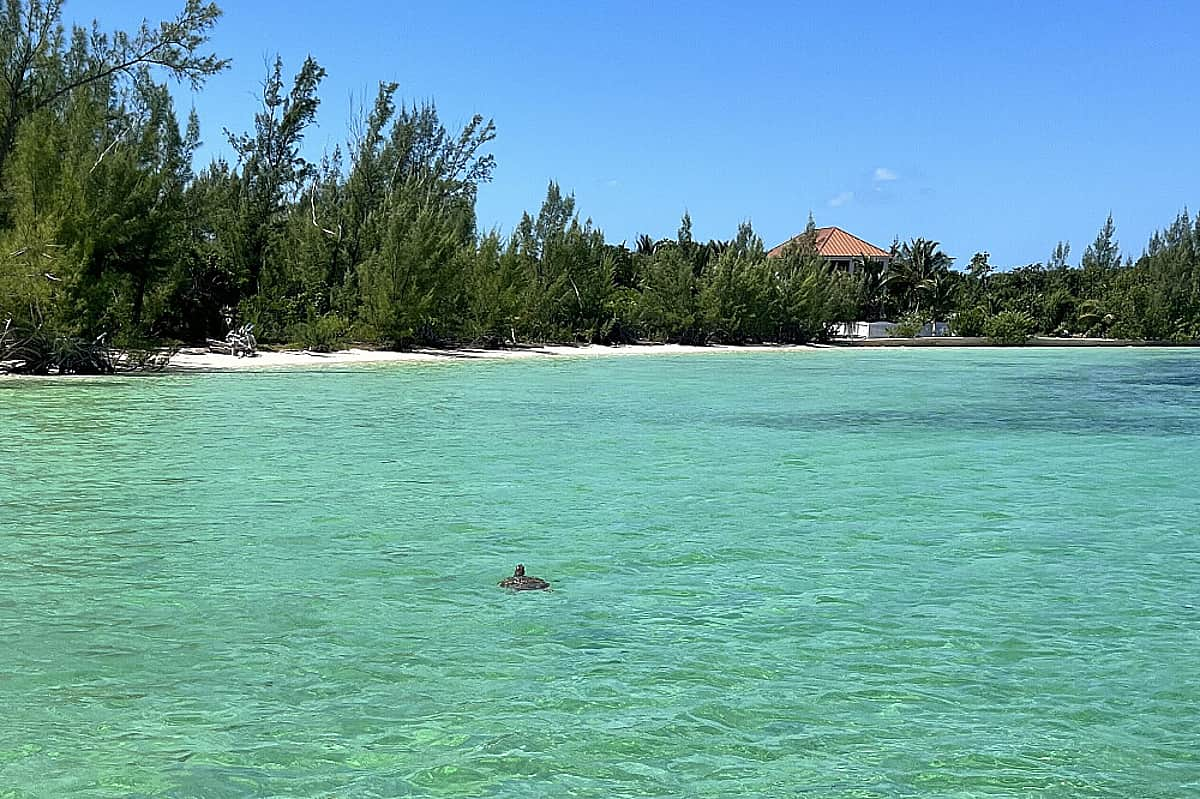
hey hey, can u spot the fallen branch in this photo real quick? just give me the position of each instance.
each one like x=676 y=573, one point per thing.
x=239 y=343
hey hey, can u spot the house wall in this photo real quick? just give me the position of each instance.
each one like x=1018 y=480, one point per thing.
x=865 y=329
x=885 y=330
x=851 y=265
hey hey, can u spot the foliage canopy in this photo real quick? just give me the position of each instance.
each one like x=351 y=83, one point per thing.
x=109 y=236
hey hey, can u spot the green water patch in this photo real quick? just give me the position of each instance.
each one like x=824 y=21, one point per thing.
x=901 y=573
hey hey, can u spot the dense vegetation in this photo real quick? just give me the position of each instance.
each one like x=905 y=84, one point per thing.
x=110 y=242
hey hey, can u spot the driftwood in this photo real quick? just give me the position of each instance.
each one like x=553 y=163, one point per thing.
x=144 y=359
x=239 y=343
x=37 y=351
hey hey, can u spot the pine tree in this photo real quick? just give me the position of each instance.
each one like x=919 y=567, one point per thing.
x=1104 y=253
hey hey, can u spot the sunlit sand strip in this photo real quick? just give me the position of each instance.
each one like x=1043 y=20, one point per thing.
x=200 y=360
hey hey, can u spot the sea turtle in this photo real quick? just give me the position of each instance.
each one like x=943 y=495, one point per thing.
x=519 y=582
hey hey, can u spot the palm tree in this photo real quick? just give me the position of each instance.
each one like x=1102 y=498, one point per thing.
x=646 y=245
x=873 y=284
x=937 y=291
x=918 y=263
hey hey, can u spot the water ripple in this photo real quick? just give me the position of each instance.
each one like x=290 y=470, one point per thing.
x=844 y=574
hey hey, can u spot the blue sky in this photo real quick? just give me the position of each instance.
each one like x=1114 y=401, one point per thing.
x=987 y=126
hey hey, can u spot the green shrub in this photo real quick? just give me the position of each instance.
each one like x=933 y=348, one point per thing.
x=41 y=351
x=970 y=322
x=910 y=325
x=1186 y=331
x=1009 y=328
x=324 y=334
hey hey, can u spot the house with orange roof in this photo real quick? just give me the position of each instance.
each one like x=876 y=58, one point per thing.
x=840 y=249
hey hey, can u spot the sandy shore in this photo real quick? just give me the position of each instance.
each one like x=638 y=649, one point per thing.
x=198 y=359
x=201 y=360
x=1036 y=341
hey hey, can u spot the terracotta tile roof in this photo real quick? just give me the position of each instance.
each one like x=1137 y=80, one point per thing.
x=833 y=242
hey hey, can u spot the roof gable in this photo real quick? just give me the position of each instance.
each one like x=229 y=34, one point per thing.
x=833 y=242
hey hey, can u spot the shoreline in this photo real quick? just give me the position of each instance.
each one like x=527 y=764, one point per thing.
x=981 y=341
x=197 y=359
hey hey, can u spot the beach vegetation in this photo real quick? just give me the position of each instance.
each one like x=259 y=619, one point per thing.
x=1009 y=328
x=113 y=239
x=910 y=324
x=969 y=321
x=322 y=334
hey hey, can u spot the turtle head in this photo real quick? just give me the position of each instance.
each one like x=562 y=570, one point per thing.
x=519 y=571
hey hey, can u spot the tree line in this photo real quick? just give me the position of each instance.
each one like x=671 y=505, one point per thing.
x=112 y=240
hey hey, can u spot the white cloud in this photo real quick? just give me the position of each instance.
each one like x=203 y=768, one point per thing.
x=841 y=199
x=883 y=175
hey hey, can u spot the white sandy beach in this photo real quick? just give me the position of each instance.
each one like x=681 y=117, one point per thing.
x=201 y=360
x=197 y=359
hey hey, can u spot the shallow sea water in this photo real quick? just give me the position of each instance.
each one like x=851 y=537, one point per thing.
x=934 y=573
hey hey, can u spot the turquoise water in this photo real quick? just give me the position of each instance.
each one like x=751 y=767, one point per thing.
x=925 y=573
